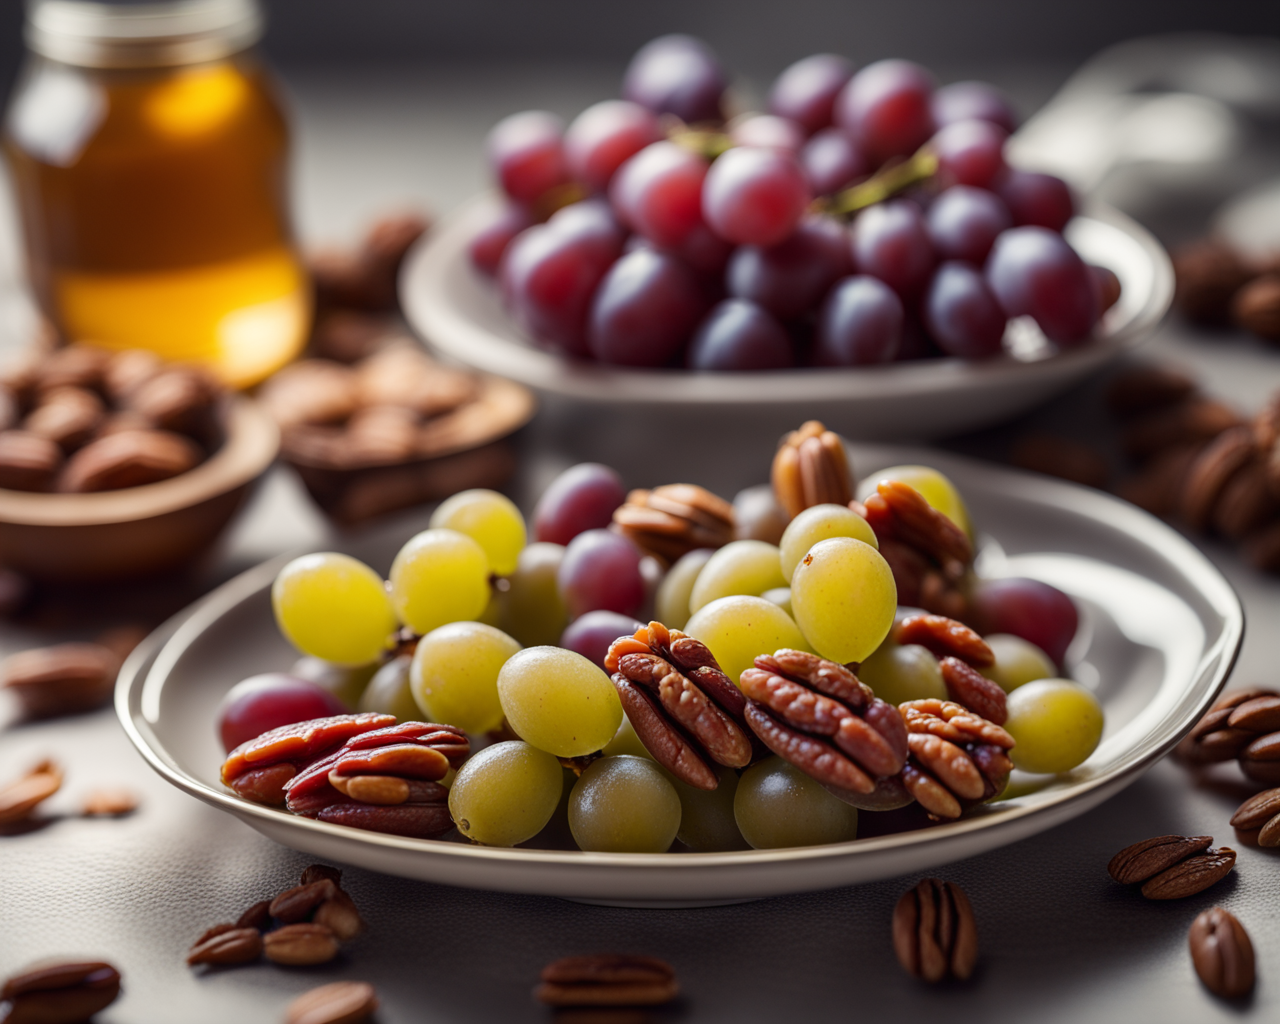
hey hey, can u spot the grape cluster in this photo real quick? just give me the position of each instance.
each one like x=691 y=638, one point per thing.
x=869 y=217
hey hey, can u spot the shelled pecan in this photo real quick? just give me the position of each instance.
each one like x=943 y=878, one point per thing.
x=225 y=945
x=1257 y=820
x=342 y=1002
x=1244 y=725
x=1222 y=953
x=817 y=715
x=673 y=519
x=811 y=468
x=607 y=980
x=54 y=991
x=958 y=759
x=20 y=798
x=1209 y=272
x=64 y=679
x=1172 y=867
x=685 y=710
x=364 y=277
x=935 y=936
x=960 y=653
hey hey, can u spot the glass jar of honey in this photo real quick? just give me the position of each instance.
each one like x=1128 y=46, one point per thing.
x=148 y=152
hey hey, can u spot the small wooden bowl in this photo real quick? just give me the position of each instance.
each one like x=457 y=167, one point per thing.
x=139 y=531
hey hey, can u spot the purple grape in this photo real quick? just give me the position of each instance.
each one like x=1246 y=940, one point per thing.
x=886 y=106
x=916 y=343
x=1033 y=272
x=581 y=498
x=526 y=152
x=963 y=223
x=890 y=242
x=962 y=314
x=658 y=192
x=806 y=91
x=593 y=633
x=704 y=251
x=739 y=335
x=754 y=196
x=592 y=224
x=1027 y=608
x=261 y=703
x=1107 y=285
x=769 y=132
x=860 y=323
x=970 y=152
x=604 y=136
x=832 y=161
x=973 y=101
x=1037 y=199
x=791 y=277
x=645 y=309
x=676 y=74
x=601 y=569
x=490 y=242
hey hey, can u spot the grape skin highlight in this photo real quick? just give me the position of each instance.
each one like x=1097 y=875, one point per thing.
x=439 y=576
x=844 y=598
x=624 y=804
x=559 y=701
x=740 y=567
x=455 y=675
x=334 y=607
x=506 y=793
x=491 y=520
x=736 y=629
x=819 y=523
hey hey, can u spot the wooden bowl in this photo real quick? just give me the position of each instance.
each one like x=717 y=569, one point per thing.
x=139 y=531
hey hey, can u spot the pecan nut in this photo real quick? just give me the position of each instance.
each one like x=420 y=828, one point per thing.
x=257 y=916
x=1198 y=420
x=957 y=758
x=61 y=680
x=1146 y=859
x=819 y=716
x=811 y=468
x=28 y=462
x=296 y=904
x=67 y=416
x=339 y=914
x=1257 y=820
x=1215 y=467
x=1146 y=387
x=684 y=709
x=1256 y=307
x=1222 y=953
x=935 y=936
x=674 y=519
x=225 y=945
x=607 y=980
x=945 y=638
x=343 y=1002
x=109 y=803
x=1192 y=875
x=1242 y=724
x=300 y=945
x=130 y=458
x=52 y=991
x=18 y=799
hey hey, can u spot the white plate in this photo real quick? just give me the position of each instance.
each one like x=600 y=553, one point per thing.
x=458 y=311
x=1160 y=631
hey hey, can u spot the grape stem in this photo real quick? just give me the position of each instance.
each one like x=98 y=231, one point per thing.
x=706 y=142
x=886 y=182
x=578 y=765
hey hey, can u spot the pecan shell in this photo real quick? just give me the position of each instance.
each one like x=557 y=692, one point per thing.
x=935 y=936
x=1222 y=953
x=958 y=759
x=811 y=468
x=1148 y=858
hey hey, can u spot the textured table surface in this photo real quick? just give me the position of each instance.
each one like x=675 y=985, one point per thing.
x=1059 y=941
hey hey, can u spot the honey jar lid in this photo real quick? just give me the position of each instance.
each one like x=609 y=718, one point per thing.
x=97 y=34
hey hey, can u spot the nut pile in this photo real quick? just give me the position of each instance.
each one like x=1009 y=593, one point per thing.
x=302 y=926
x=674 y=519
x=1172 y=867
x=1257 y=820
x=81 y=419
x=606 y=979
x=59 y=992
x=1243 y=725
x=364 y=277
x=1218 y=285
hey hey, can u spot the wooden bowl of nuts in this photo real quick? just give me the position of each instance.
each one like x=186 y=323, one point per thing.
x=117 y=466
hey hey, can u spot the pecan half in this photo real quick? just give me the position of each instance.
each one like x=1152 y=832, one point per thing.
x=18 y=799
x=970 y=688
x=1148 y=858
x=1209 y=272
x=945 y=637
x=607 y=980
x=109 y=803
x=958 y=759
x=342 y=1002
x=1222 y=953
x=52 y=991
x=1259 y=816
x=257 y=916
x=300 y=945
x=1244 y=724
x=339 y=914
x=298 y=744
x=28 y=462
x=1195 y=421
x=131 y=458
x=935 y=936
x=819 y=716
x=811 y=468
x=674 y=519
x=1212 y=470
x=1256 y=307
x=1192 y=875
x=64 y=679
x=67 y=416
x=224 y=945
x=296 y=904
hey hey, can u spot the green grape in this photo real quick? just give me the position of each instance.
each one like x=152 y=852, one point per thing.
x=781 y=596
x=1056 y=723
x=736 y=629
x=624 y=804
x=491 y=520
x=334 y=607
x=531 y=609
x=346 y=682
x=455 y=675
x=844 y=598
x=904 y=672
x=779 y=805
x=439 y=576
x=559 y=701
x=1018 y=661
x=625 y=741
x=707 y=824
x=935 y=488
x=555 y=835
x=671 y=605
x=389 y=692
x=740 y=567
x=506 y=793
x=819 y=523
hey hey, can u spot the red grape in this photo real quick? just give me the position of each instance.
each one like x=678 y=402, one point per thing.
x=676 y=74
x=963 y=223
x=832 y=161
x=644 y=310
x=592 y=634
x=261 y=703
x=1107 y=285
x=806 y=91
x=491 y=241
x=1037 y=199
x=1027 y=608
x=890 y=242
x=601 y=569
x=581 y=498
x=605 y=136
x=1034 y=272
x=767 y=131
x=739 y=335
x=754 y=196
x=658 y=192
x=969 y=101
x=961 y=313
x=791 y=277
x=860 y=323
x=591 y=223
x=886 y=106
x=970 y=152
x=526 y=152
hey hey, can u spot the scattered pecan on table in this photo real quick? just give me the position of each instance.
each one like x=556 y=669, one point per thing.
x=1257 y=820
x=20 y=798
x=342 y=1002
x=1244 y=725
x=607 y=979
x=52 y=991
x=1222 y=953
x=935 y=936
x=1172 y=867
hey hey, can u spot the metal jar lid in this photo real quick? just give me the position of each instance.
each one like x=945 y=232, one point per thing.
x=141 y=35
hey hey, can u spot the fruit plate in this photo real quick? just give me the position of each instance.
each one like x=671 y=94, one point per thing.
x=458 y=311
x=1160 y=629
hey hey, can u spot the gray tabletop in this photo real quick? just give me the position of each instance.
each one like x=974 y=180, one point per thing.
x=1059 y=941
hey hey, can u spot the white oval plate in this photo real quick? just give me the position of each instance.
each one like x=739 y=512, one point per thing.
x=1160 y=631
x=458 y=311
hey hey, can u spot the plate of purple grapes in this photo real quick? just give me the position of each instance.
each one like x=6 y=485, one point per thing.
x=863 y=247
